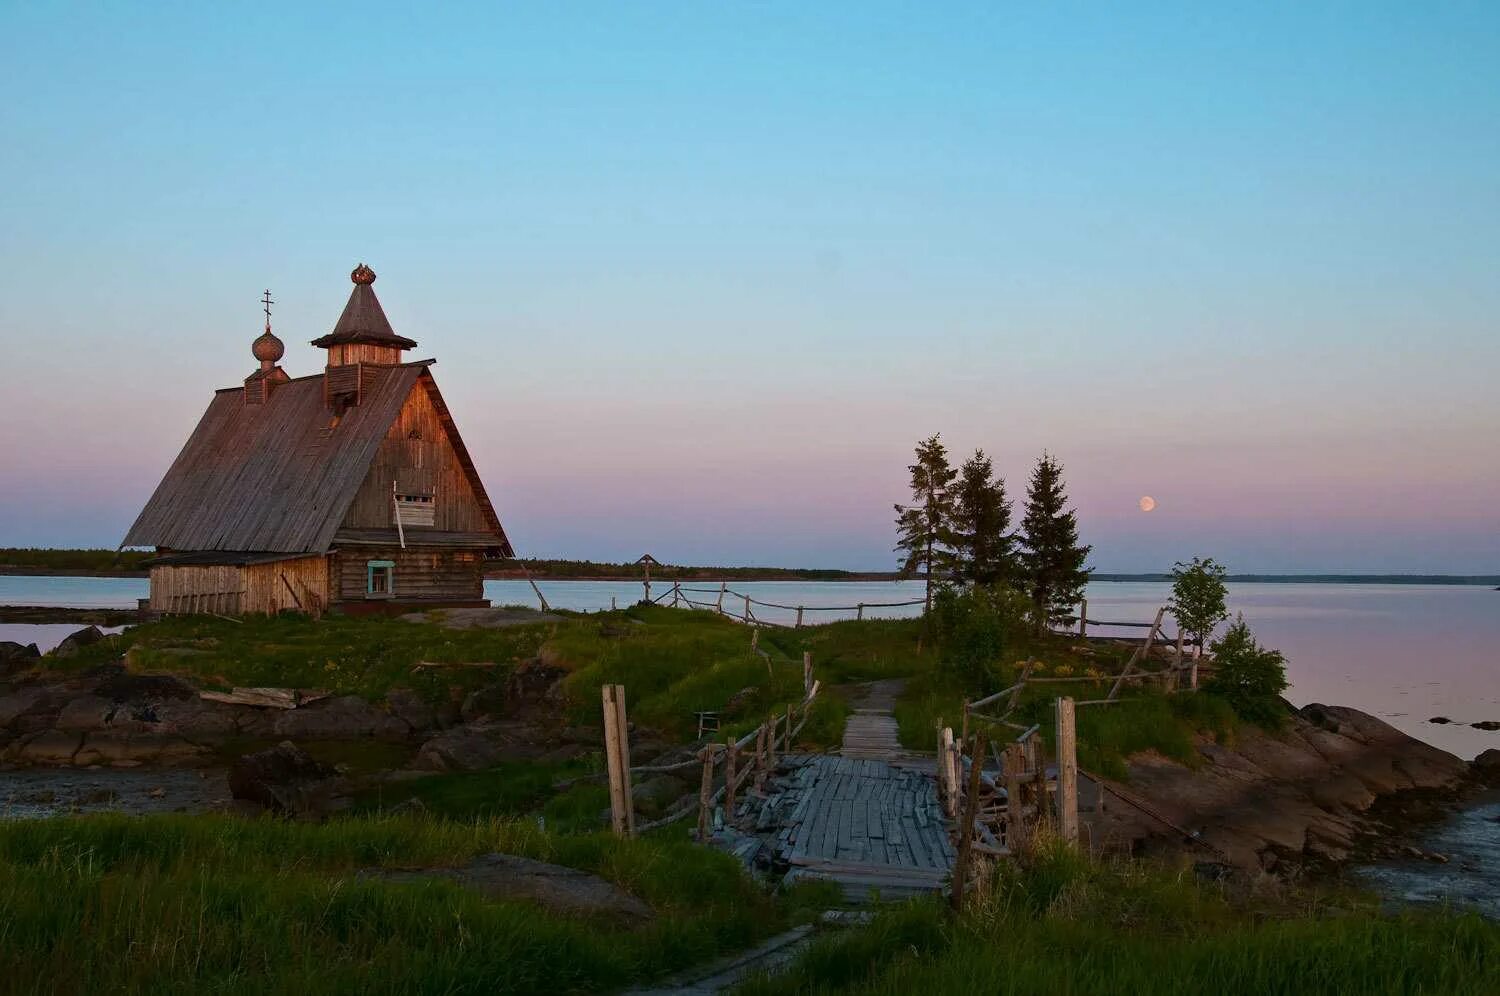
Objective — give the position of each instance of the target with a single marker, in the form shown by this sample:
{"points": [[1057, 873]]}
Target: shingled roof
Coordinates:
{"points": [[275, 478], [363, 319]]}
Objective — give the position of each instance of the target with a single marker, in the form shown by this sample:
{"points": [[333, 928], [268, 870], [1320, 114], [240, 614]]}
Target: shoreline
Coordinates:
{"points": [[866, 577]]}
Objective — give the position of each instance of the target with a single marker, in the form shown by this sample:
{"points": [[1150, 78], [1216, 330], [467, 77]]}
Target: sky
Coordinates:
{"points": [[699, 276]]}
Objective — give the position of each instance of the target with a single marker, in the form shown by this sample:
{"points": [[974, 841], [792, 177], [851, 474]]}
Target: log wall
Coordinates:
{"points": [[419, 574], [417, 454]]}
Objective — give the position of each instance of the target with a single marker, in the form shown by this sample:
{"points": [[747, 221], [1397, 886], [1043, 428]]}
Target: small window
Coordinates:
{"points": [[416, 509], [380, 576]]}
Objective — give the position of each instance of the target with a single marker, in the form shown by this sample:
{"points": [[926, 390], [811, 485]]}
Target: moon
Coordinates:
{"points": [[1147, 503]]}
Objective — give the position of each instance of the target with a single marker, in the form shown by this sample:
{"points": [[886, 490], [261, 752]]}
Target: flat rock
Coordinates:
{"points": [[554, 887], [127, 750], [409, 707], [347, 717], [464, 748], [48, 747], [87, 712]]}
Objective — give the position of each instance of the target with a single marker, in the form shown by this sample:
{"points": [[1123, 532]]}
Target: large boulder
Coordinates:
{"points": [[413, 710], [22, 702], [287, 780], [562, 890], [74, 642], [1487, 766], [484, 703], [12, 653], [87, 712]]}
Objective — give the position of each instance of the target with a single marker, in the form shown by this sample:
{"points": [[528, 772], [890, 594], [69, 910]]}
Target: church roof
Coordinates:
{"points": [[364, 319], [280, 477]]}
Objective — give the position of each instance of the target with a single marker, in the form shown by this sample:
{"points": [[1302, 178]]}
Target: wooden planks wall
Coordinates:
{"points": [[363, 352], [417, 454], [231, 590], [450, 575]]}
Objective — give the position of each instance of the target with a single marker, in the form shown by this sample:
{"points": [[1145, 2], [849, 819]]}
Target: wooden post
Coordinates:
{"points": [[799, 617], [771, 743], [754, 640], [1015, 696], [612, 605], [965, 734], [760, 758], [731, 766], [1015, 819], [966, 828], [807, 671], [706, 793], [946, 774], [1067, 771], [719, 605], [747, 607], [676, 593], [1193, 673], [861, 614], [1083, 617], [617, 760]]}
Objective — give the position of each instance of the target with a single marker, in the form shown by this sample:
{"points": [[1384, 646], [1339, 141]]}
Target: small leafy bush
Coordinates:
{"points": [[1248, 676], [973, 626]]}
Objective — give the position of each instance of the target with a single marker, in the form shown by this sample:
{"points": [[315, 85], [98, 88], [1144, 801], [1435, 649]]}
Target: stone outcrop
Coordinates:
{"points": [[1314, 793], [286, 780], [74, 642]]}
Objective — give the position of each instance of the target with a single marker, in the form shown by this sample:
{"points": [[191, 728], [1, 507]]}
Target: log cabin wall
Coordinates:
{"points": [[418, 575], [417, 454], [363, 352], [229, 589]]}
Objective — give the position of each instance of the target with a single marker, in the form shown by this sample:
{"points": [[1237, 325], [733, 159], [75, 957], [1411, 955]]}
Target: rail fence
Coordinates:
{"points": [[680, 595], [750, 758]]}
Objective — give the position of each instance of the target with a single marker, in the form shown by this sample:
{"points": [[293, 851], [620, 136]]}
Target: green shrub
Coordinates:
{"points": [[973, 627], [1248, 676]]}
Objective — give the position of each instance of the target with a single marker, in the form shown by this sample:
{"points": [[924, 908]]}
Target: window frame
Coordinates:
{"points": [[388, 567]]}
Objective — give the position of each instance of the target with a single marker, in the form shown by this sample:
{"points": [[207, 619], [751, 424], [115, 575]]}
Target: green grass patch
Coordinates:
{"points": [[191, 904], [1068, 925], [510, 789]]}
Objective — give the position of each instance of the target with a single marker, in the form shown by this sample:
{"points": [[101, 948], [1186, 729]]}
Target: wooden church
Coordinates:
{"points": [[350, 489]]}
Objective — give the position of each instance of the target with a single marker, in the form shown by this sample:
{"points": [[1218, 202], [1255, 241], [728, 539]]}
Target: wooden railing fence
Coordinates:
{"points": [[742, 606], [730, 765]]}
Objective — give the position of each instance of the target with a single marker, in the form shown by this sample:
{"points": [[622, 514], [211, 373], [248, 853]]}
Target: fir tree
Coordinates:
{"points": [[984, 551], [924, 528], [1052, 558]]}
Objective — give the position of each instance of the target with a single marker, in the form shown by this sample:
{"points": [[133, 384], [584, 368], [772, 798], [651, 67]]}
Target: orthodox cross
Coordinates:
{"points": [[266, 303]]}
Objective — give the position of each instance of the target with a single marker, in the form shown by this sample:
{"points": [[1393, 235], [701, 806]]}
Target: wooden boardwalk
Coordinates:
{"points": [[868, 820]]}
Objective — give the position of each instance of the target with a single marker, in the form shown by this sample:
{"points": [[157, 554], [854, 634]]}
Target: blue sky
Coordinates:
{"points": [[698, 276]]}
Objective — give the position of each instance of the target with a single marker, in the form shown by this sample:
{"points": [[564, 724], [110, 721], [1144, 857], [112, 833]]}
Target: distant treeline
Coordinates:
{"points": [[665, 572], [92, 561]]}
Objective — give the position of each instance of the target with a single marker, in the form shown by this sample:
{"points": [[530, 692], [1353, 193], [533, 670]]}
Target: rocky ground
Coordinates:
{"points": [[1335, 785]]}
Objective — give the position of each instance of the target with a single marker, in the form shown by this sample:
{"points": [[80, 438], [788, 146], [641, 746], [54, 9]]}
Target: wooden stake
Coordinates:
{"points": [[617, 759], [799, 617], [1067, 771], [719, 605], [807, 671], [861, 614], [966, 828], [747, 607], [965, 734], [771, 743]]}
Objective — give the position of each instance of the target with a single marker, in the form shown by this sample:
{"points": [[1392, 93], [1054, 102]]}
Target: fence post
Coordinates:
{"points": [[950, 782], [966, 828], [676, 592], [612, 605], [1197, 655], [1015, 819], [861, 614], [617, 760], [731, 766], [771, 743], [747, 607], [799, 617], [1083, 617], [719, 605], [1067, 771], [706, 792], [807, 678], [965, 734], [760, 758]]}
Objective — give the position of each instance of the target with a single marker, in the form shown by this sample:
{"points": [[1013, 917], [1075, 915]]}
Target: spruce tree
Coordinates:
{"points": [[924, 528], [1052, 558], [984, 551]]}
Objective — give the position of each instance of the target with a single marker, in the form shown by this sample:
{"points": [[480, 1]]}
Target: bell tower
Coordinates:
{"points": [[362, 337]]}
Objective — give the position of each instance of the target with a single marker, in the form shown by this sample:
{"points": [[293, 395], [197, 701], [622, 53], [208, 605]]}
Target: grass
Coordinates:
{"points": [[1067, 925], [190, 904]]}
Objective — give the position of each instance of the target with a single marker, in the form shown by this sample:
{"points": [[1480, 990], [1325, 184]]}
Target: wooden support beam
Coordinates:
{"points": [[807, 672], [731, 763], [1067, 771], [1083, 617], [1015, 819], [706, 793]]}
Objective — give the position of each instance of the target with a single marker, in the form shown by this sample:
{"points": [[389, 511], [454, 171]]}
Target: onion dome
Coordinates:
{"points": [[267, 348], [362, 275]]}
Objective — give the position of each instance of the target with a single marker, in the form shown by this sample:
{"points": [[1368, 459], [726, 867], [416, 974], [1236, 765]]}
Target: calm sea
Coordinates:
{"points": [[1406, 653]]}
